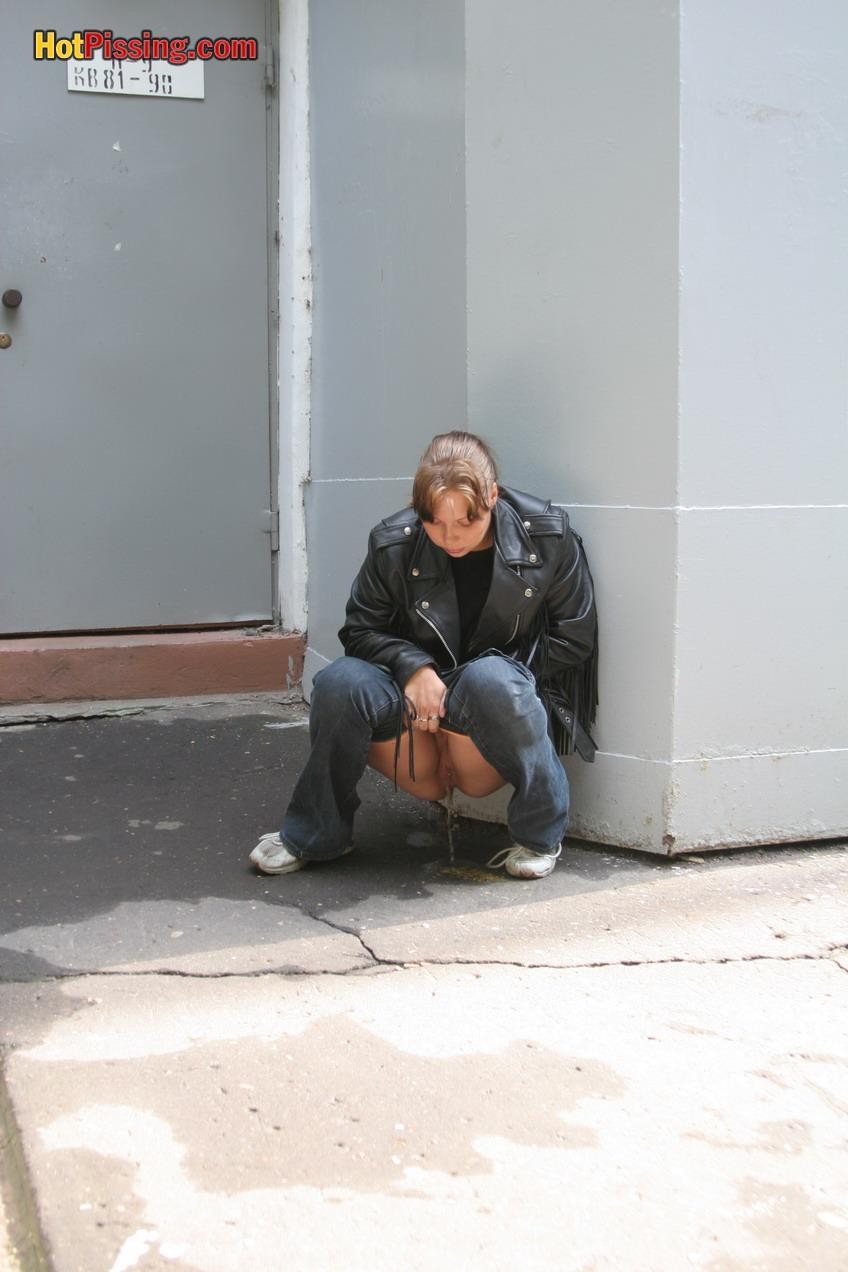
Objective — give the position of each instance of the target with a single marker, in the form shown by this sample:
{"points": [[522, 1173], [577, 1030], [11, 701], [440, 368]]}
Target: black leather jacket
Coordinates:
{"points": [[403, 613]]}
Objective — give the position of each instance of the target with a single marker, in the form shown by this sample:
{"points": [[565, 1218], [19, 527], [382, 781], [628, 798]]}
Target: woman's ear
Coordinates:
{"points": [[493, 495]]}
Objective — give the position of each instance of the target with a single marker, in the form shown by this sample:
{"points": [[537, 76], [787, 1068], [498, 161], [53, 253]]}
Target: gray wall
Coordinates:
{"points": [[572, 335], [388, 226], [761, 720], [640, 278]]}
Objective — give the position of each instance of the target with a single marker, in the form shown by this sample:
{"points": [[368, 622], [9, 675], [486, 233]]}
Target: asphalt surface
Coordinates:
{"points": [[395, 1059], [157, 812]]}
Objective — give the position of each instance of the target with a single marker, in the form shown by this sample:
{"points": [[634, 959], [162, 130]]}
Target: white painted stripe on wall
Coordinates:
{"points": [[710, 759], [566, 503], [343, 481]]}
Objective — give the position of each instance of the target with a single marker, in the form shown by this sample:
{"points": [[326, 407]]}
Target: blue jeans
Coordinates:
{"points": [[492, 699]]}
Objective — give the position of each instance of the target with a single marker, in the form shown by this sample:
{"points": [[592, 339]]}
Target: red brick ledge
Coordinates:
{"points": [[161, 664]]}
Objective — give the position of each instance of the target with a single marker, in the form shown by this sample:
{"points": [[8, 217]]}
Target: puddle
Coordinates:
{"points": [[469, 872]]}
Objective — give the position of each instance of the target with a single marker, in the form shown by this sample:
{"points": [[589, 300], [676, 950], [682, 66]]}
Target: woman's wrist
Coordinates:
{"points": [[418, 673]]}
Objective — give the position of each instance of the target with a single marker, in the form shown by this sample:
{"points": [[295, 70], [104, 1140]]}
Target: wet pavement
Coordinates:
{"points": [[394, 1059]]}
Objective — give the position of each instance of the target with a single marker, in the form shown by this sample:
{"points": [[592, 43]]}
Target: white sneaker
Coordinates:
{"points": [[525, 863], [271, 855]]}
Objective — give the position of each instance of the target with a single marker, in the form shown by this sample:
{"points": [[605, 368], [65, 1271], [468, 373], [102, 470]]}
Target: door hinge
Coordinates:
{"points": [[270, 67], [273, 530]]}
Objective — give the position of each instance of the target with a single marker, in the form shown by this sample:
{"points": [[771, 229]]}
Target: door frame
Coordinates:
{"points": [[293, 361]]}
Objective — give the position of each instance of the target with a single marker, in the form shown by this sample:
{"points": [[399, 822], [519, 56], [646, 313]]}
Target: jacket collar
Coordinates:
{"points": [[429, 572], [427, 561], [512, 538]]}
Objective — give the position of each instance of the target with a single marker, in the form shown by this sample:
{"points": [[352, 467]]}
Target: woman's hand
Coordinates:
{"points": [[426, 691]]}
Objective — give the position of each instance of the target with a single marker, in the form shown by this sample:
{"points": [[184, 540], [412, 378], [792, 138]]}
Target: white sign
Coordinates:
{"points": [[150, 78]]}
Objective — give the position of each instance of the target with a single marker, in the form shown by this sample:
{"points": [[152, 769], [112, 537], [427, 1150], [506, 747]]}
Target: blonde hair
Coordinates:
{"points": [[457, 462]]}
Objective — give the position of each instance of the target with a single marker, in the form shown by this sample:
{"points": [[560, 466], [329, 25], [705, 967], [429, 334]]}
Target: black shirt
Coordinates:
{"points": [[472, 577]]}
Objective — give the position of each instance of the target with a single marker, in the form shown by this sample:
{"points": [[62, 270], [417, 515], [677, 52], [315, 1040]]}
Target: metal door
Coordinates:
{"points": [[135, 480]]}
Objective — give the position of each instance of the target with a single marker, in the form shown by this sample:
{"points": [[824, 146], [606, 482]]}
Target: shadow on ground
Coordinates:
{"points": [[136, 820]]}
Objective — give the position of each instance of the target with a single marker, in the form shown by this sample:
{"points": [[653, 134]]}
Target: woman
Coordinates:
{"points": [[471, 630]]}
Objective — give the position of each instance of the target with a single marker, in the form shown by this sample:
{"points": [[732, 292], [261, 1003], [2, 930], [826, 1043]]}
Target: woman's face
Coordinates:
{"points": [[452, 529]]}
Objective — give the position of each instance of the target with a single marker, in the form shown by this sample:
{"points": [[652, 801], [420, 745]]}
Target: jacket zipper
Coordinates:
{"points": [[439, 634]]}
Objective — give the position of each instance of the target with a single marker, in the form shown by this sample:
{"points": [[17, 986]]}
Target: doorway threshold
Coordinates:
{"points": [[128, 665]]}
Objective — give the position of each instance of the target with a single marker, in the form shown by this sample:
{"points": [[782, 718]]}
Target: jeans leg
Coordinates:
{"points": [[351, 699], [494, 701]]}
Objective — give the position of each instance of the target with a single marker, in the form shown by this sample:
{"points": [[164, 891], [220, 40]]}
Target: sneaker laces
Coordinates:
{"points": [[514, 854]]}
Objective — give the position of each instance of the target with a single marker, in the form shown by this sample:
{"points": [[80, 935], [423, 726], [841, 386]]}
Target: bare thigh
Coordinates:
{"points": [[471, 773], [442, 760]]}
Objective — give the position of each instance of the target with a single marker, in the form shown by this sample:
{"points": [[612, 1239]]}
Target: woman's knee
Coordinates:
{"points": [[342, 675], [351, 680], [499, 684]]}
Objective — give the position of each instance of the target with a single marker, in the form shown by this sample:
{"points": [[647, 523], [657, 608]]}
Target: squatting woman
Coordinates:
{"points": [[470, 661]]}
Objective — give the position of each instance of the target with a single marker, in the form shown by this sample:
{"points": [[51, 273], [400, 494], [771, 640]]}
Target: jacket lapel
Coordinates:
{"points": [[433, 602], [432, 593], [512, 588]]}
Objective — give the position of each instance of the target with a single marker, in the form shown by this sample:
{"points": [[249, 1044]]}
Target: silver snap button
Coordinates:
{"points": [[528, 591], [425, 604], [416, 572], [407, 529], [526, 525], [533, 557]]}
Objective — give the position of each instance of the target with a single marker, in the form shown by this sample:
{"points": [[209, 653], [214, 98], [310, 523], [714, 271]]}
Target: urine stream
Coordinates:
{"points": [[450, 808], [464, 870]]}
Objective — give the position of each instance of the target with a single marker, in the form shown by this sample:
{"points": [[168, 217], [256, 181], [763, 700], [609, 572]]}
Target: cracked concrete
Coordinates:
{"points": [[741, 911], [397, 1117], [837, 951], [394, 1060], [166, 937]]}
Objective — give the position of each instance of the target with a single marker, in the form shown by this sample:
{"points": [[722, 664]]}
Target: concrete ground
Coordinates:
{"points": [[395, 1061]]}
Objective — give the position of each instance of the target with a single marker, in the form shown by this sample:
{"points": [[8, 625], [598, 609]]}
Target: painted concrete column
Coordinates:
{"points": [[573, 181], [760, 748], [657, 330], [636, 278]]}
